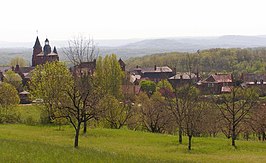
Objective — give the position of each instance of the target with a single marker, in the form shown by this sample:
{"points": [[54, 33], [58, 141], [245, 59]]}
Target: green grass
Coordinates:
{"points": [[27, 143], [22, 143]]}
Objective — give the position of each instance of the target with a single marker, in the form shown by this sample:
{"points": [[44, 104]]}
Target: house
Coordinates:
{"points": [[183, 78], [90, 67], [253, 80], [216, 84], [155, 73], [84, 68], [41, 56]]}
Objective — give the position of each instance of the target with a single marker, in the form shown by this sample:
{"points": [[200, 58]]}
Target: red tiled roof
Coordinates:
{"points": [[219, 78]]}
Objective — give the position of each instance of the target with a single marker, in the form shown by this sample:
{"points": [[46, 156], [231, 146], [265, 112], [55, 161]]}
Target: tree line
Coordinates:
{"points": [[212, 60]]}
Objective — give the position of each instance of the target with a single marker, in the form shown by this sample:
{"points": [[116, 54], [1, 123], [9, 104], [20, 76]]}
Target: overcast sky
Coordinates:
{"points": [[124, 19]]}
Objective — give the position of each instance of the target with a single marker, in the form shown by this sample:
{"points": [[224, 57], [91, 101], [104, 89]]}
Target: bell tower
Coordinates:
{"points": [[37, 49]]}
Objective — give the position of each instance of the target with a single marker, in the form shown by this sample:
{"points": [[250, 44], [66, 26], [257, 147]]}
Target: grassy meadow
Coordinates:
{"points": [[40, 143]]}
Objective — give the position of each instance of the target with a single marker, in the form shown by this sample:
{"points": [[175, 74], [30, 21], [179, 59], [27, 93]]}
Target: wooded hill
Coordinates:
{"points": [[212, 60]]}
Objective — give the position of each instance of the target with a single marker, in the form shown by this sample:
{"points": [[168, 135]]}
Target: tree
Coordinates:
{"points": [[81, 50], [148, 86], [8, 96], [109, 75], [164, 84], [154, 114], [48, 82], [178, 112], [235, 107], [116, 113], [18, 61], [188, 102], [14, 79], [258, 121], [210, 122]]}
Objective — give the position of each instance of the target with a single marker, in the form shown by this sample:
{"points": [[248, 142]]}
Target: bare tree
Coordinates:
{"points": [[79, 51], [258, 121], [235, 107], [192, 110], [154, 114]]}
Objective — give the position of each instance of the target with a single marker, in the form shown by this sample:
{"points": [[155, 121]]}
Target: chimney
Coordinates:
{"points": [[155, 67], [174, 71], [17, 68], [1, 76]]}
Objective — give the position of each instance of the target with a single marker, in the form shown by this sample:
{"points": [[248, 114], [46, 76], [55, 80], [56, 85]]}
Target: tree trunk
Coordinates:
{"points": [[180, 135], [76, 143], [189, 141], [233, 136], [85, 127]]}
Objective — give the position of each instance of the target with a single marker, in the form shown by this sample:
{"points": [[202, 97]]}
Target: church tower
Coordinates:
{"points": [[47, 48], [37, 49]]}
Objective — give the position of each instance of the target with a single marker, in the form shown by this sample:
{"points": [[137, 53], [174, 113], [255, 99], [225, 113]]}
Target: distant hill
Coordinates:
{"points": [[135, 47]]}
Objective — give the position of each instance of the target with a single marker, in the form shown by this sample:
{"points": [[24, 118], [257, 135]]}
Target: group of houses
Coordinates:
{"points": [[213, 84], [216, 83]]}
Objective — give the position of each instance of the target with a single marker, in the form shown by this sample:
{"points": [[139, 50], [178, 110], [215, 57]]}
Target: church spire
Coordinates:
{"points": [[37, 43], [55, 51]]}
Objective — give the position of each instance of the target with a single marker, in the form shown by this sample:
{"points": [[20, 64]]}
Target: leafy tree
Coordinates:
{"points": [[116, 113], [164, 84], [14, 79], [8, 96], [148, 86], [109, 75], [49, 82]]}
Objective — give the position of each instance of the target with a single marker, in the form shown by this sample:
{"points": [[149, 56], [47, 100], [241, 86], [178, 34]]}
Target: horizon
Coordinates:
{"points": [[109, 20], [112, 42]]}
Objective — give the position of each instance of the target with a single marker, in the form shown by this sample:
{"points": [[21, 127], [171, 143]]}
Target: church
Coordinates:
{"points": [[42, 55]]}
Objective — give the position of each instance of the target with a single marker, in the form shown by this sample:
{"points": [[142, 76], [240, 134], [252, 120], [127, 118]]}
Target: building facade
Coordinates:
{"points": [[42, 55]]}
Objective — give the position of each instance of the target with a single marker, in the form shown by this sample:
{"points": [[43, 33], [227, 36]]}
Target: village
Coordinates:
{"points": [[213, 84]]}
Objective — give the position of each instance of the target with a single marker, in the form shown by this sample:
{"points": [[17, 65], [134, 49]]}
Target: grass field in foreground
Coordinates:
{"points": [[22, 143]]}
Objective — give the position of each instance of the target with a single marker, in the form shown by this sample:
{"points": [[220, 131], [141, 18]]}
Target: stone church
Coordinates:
{"points": [[42, 55]]}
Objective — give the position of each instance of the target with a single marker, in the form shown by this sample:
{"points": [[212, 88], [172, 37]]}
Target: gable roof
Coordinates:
{"points": [[5, 68], [121, 62], [156, 70], [251, 77], [185, 76], [219, 78]]}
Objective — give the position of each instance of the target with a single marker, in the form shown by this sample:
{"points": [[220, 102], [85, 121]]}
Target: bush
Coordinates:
{"points": [[10, 118]]}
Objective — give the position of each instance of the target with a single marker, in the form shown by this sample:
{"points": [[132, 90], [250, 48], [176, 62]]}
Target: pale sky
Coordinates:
{"points": [[125, 19]]}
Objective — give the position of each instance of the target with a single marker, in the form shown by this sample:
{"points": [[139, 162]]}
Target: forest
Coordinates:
{"points": [[209, 61]]}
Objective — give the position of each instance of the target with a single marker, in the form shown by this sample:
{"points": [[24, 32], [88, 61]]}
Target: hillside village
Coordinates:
{"points": [[214, 83], [103, 92]]}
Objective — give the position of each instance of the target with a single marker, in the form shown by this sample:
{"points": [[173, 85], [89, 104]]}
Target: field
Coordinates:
{"points": [[39, 143]]}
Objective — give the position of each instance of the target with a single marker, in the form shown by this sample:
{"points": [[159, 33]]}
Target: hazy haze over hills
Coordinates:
{"points": [[126, 48]]}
